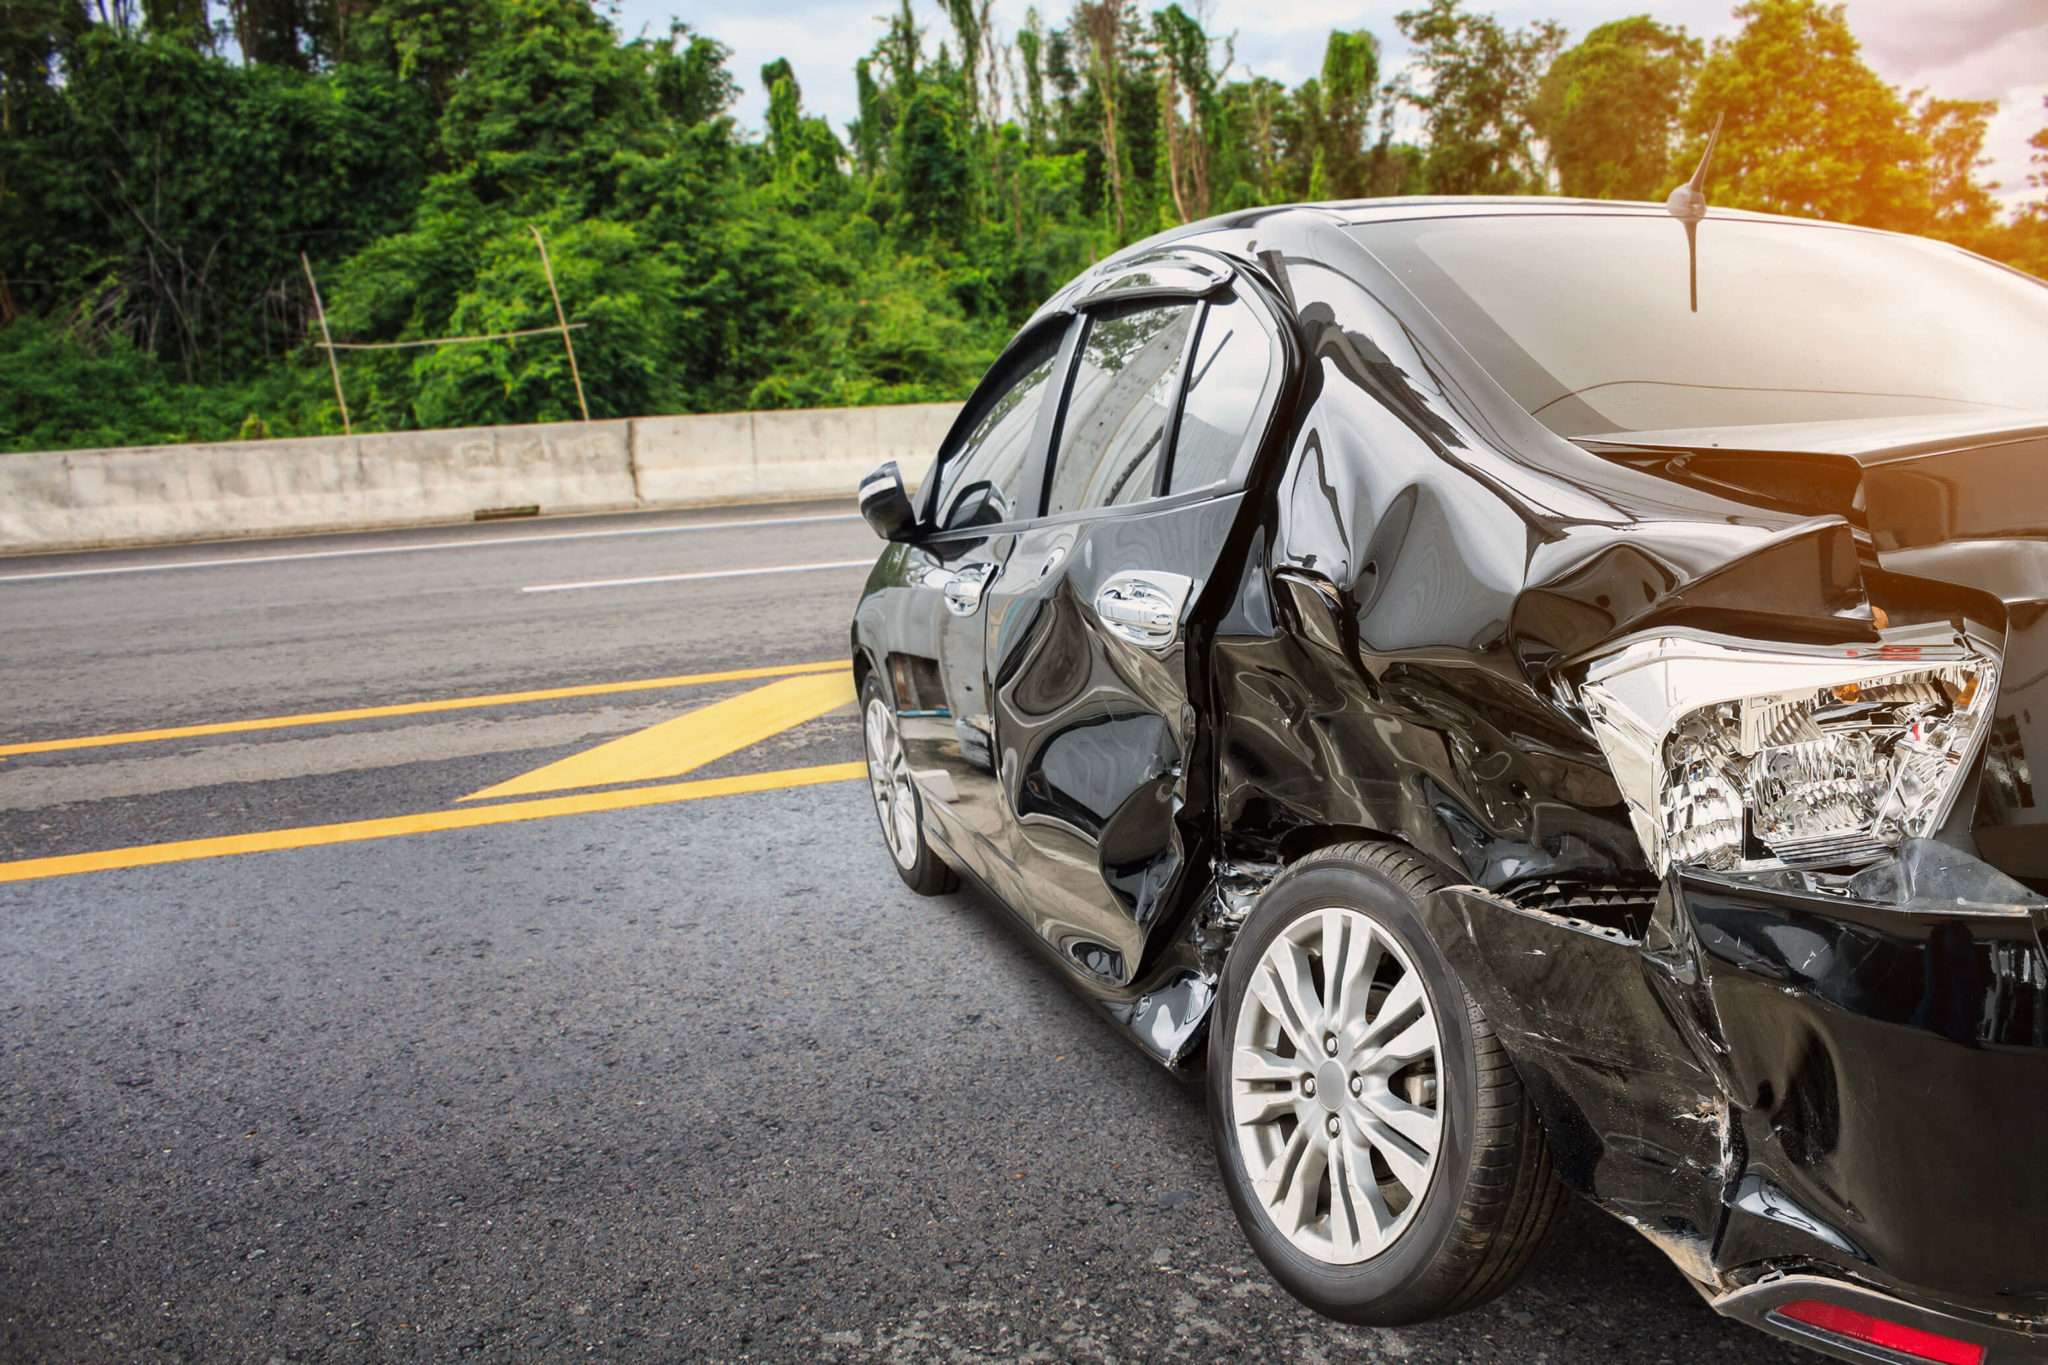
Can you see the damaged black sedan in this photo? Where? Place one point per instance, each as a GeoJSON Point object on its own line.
{"type": "Point", "coordinates": [1530, 695]}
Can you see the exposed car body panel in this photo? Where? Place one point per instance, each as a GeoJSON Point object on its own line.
{"type": "Point", "coordinates": [1710, 1080]}
{"type": "Point", "coordinates": [1764, 1079]}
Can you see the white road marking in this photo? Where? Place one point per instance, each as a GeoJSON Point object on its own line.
{"type": "Point", "coordinates": [700, 577]}
{"type": "Point", "coordinates": [480, 543]}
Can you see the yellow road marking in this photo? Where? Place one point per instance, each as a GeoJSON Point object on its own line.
{"type": "Point", "coordinates": [430, 822]}
{"type": "Point", "coordinates": [418, 708]}
{"type": "Point", "coordinates": [691, 740]}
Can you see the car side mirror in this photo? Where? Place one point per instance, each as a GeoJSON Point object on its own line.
{"type": "Point", "coordinates": [885, 505]}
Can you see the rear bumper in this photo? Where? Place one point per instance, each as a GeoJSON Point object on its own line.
{"type": "Point", "coordinates": [1886, 1068]}
{"type": "Point", "coordinates": [1786, 1088]}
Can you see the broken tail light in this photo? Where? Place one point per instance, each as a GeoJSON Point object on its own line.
{"type": "Point", "coordinates": [1736, 755]}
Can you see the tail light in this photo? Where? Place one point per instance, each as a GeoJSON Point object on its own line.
{"type": "Point", "coordinates": [1830, 1319]}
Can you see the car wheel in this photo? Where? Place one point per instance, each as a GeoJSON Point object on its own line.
{"type": "Point", "coordinates": [1373, 1135]}
{"type": "Point", "coordinates": [897, 804]}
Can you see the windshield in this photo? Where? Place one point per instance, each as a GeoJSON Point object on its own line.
{"type": "Point", "coordinates": [1586, 320]}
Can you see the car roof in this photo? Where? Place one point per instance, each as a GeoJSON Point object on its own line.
{"type": "Point", "coordinates": [1392, 209]}
{"type": "Point", "coordinates": [1502, 206]}
{"type": "Point", "coordinates": [1405, 208]}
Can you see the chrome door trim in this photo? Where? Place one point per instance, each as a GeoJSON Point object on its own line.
{"type": "Point", "coordinates": [1143, 606]}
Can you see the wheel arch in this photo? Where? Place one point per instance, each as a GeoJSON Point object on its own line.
{"type": "Point", "coordinates": [1306, 841]}
{"type": "Point", "coordinates": [864, 661]}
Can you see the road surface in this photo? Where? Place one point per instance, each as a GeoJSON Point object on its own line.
{"type": "Point", "coordinates": [373, 988]}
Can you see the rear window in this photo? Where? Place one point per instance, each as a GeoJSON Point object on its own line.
{"type": "Point", "coordinates": [1587, 322]}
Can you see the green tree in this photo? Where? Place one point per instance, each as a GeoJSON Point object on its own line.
{"type": "Point", "coordinates": [2024, 241]}
{"type": "Point", "coordinates": [1478, 80]}
{"type": "Point", "coordinates": [174, 191]}
{"type": "Point", "coordinates": [1100, 24]}
{"type": "Point", "coordinates": [163, 163]}
{"type": "Point", "coordinates": [691, 82]}
{"type": "Point", "coordinates": [932, 172]}
{"type": "Point", "coordinates": [628, 355]}
{"type": "Point", "coordinates": [1808, 128]}
{"type": "Point", "coordinates": [185, 20]}
{"type": "Point", "coordinates": [1608, 109]}
{"type": "Point", "coordinates": [32, 34]}
{"type": "Point", "coordinates": [300, 34]}
{"type": "Point", "coordinates": [1350, 80]}
{"type": "Point", "coordinates": [2039, 142]}
{"type": "Point", "coordinates": [970, 23]}
{"type": "Point", "coordinates": [428, 43]}
{"type": "Point", "coordinates": [547, 113]}
{"type": "Point", "coordinates": [1031, 51]}
{"type": "Point", "coordinates": [1961, 205]}
{"type": "Point", "coordinates": [1190, 115]}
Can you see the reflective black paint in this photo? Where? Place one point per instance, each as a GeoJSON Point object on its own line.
{"type": "Point", "coordinates": [1761, 1079]}
{"type": "Point", "coordinates": [1095, 734]}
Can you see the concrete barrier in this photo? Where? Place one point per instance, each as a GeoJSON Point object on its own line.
{"type": "Point", "coordinates": [813, 452]}
{"type": "Point", "coordinates": [75, 499]}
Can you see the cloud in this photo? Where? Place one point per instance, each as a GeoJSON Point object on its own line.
{"type": "Point", "coordinates": [821, 41]}
{"type": "Point", "coordinates": [1968, 49]}
{"type": "Point", "coordinates": [1930, 35]}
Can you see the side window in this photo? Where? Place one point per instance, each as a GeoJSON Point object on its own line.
{"type": "Point", "coordinates": [981, 482]}
{"type": "Point", "coordinates": [1113, 437]}
{"type": "Point", "coordinates": [1230, 394]}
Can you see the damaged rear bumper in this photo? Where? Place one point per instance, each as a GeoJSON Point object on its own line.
{"type": "Point", "coordinates": [1791, 1085]}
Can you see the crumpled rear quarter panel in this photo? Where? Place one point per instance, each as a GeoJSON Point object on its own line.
{"type": "Point", "coordinates": [1754, 1082]}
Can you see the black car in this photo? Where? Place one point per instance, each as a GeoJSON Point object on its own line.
{"type": "Point", "coordinates": [1531, 695]}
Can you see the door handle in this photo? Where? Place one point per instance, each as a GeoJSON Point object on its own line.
{"type": "Point", "coordinates": [1143, 606]}
{"type": "Point", "coordinates": [963, 590]}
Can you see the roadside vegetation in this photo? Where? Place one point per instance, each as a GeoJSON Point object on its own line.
{"type": "Point", "coordinates": [163, 163]}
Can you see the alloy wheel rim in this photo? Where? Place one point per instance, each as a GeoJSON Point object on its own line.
{"type": "Point", "coordinates": [889, 776]}
{"type": "Point", "coordinates": [1334, 1089]}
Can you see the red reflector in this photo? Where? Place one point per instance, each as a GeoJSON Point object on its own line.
{"type": "Point", "coordinates": [1893, 1336]}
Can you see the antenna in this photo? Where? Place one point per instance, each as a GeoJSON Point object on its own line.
{"type": "Point", "coordinates": [1688, 204]}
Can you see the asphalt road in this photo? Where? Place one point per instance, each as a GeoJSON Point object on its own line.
{"type": "Point", "coordinates": [689, 1078]}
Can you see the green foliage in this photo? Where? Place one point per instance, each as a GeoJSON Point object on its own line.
{"type": "Point", "coordinates": [427, 43]}
{"type": "Point", "coordinates": [1480, 79]}
{"type": "Point", "coordinates": [691, 84]}
{"type": "Point", "coordinates": [1608, 108]}
{"type": "Point", "coordinates": [627, 356]}
{"type": "Point", "coordinates": [170, 192]}
{"type": "Point", "coordinates": [546, 112]}
{"type": "Point", "coordinates": [805, 154]}
{"type": "Point", "coordinates": [1962, 206]}
{"type": "Point", "coordinates": [932, 172]}
{"type": "Point", "coordinates": [161, 174]}
{"type": "Point", "coordinates": [60, 394]}
{"type": "Point", "coordinates": [1809, 129]}
{"type": "Point", "coordinates": [1351, 67]}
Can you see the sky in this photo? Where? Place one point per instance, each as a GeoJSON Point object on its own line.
{"type": "Point", "coordinates": [1956, 49]}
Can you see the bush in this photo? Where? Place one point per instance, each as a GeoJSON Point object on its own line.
{"type": "Point", "coordinates": [59, 394]}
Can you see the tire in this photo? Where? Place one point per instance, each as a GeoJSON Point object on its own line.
{"type": "Point", "coordinates": [899, 806]}
{"type": "Point", "coordinates": [1489, 1191]}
